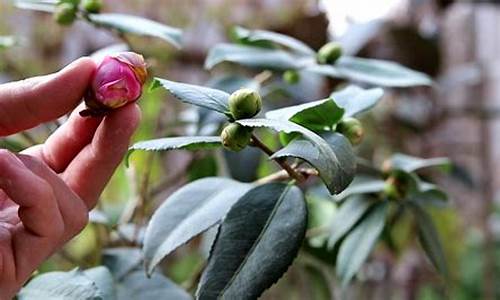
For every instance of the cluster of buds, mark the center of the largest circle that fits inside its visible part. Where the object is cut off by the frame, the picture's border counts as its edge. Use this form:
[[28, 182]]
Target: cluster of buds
[[66, 10], [117, 81], [243, 104]]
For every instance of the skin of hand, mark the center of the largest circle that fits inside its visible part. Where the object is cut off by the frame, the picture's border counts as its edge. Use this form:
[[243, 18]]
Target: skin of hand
[[47, 191]]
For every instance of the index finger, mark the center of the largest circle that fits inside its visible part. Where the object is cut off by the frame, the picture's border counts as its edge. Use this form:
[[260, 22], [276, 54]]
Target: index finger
[[27, 103]]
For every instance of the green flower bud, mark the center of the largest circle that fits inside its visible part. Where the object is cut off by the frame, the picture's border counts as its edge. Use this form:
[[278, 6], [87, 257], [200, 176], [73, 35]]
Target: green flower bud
[[329, 53], [391, 190], [352, 129], [236, 137], [65, 13], [291, 77], [92, 6], [244, 103]]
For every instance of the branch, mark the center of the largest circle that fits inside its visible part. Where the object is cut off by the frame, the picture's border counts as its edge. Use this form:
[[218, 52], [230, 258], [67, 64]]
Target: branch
[[283, 175], [293, 174]]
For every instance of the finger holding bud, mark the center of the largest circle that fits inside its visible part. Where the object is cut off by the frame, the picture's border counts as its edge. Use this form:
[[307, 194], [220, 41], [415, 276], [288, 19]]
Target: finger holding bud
[[244, 103], [117, 81]]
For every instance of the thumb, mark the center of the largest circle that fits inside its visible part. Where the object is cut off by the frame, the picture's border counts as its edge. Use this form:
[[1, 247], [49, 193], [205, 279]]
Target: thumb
[[27, 103]]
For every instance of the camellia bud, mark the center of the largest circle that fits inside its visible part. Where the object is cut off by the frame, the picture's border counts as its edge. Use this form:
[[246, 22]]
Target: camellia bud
[[92, 6], [65, 13], [352, 129], [329, 53], [244, 103], [235, 137], [117, 81], [291, 77]]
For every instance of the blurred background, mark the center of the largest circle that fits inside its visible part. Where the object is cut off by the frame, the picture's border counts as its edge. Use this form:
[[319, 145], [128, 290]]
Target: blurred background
[[455, 42]]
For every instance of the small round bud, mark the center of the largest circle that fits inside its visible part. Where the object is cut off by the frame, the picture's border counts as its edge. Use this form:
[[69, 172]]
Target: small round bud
[[244, 103], [291, 77], [329, 53], [352, 129], [92, 6], [390, 188], [235, 137], [65, 13]]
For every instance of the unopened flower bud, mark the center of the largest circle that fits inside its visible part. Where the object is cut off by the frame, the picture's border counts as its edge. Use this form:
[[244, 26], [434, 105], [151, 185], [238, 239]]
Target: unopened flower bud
[[244, 103], [92, 6], [65, 13], [352, 129], [329, 53], [291, 77], [236, 137], [117, 81]]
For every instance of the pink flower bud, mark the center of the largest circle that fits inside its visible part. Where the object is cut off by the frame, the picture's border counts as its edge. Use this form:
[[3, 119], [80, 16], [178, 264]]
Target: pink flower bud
[[117, 81]]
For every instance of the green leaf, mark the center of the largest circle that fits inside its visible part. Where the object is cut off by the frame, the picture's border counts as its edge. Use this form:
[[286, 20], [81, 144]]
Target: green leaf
[[335, 171], [197, 95], [104, 281], [232, 83], [138, 25], [323, 149], [316, 115], [121, 261], [430, 194], [61, 286], [253, 57], [429, 238], [137, 285], [257, 241], [38, 5], [246, 35], [188, 212], [373, 71], [175, 143], [409, 163], [356, 247], [361, 185], [349, 213], [355, 100]]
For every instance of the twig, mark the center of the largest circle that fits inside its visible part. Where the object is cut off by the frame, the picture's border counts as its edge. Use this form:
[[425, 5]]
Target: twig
[[263, 76], [283, 175], [293, 174]]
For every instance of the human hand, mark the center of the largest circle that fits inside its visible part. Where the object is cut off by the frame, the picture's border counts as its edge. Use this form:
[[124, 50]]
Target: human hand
[[47, 190]]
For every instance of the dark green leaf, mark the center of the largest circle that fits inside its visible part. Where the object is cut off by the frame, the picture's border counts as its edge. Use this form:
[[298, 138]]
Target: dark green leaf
[[256, 243], [174, 143], [197, 95], [429, 238], [324, 149], [317, 115], [138, 25], [355, 100], [349, 213], [137, 285], [62, 286], [376, 72], [335, 171], [357, 246], [409, 163], [188, 212], [361, 185], [253, 57], [243, 34]]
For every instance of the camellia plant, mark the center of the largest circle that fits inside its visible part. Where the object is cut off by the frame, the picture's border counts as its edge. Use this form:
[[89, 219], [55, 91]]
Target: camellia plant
[[323, 201]]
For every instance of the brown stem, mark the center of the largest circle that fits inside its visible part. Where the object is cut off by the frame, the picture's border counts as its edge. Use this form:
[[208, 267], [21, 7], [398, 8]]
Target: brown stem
[[283, 175], [293, 174]]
